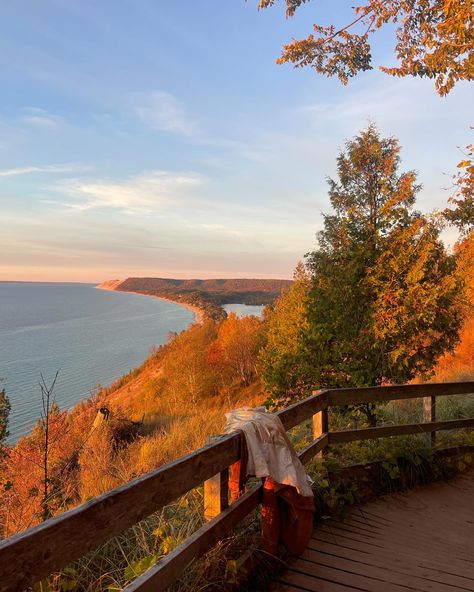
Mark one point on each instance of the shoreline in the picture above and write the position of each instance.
(197, 312)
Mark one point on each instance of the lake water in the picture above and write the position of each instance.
(243, 310)
(91, 336)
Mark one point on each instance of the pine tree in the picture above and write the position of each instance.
(384, 300)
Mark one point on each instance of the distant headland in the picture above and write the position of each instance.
(204, 297)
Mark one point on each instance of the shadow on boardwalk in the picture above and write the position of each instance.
(419, 540)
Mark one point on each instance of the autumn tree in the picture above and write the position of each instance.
(188, 376)
(384, 300)
(434, 39)
(461, 212)
(239, 341)
(459, 365)
(281, 359)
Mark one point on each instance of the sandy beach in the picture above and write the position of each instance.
(113, 285)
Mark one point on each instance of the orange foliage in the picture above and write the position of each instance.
(180, 394)
(459, 364)
(239, 341)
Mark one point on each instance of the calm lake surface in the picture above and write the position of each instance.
(91, 336)
(243, 310)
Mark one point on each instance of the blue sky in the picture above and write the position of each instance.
(160, 138)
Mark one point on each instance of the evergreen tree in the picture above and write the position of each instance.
(384, 300)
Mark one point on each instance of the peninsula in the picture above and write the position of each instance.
(204, 297)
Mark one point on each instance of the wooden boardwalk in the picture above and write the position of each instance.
(419, 540)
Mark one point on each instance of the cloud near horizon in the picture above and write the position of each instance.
(143, 193)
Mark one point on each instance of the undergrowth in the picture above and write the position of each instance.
(403, 461)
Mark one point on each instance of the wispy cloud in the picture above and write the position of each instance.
(161, 111)
(41, 118)
(145, 193)
(220, 229)
(50, 168)
(392, 103)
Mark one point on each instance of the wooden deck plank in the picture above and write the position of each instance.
(383, 573)
(428, 559)
(395, 563)
(421, 540)
(411, 536)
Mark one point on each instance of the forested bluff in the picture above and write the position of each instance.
(208, 296)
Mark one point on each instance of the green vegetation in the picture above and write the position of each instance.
(383, 302)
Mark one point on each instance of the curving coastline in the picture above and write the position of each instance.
(114, 286)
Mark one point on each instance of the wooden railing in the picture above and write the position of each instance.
(35, 553)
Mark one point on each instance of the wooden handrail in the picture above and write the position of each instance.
(380, 394)
(398, 430)
(57, 542)
(50, 546)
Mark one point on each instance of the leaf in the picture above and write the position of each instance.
(136, 568)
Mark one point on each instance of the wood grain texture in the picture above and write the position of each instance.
(320, 427)
(216, 494)
(398, 430)
(313, 449)
(39, 551)
(429, 415)
(161, 575)
(374, 394)
(302, 410)
(420, 540)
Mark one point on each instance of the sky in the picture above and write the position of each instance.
(153, 138)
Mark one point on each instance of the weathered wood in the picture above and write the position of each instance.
(429, 415)
(373, 394)
(422, 541)
(398, 430)
(314, 448)
(216, 494)
(320, 427)
(39, 551)
(161, 575)
(43, 549)
(302, 410)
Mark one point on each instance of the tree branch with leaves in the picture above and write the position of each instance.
(434, 39)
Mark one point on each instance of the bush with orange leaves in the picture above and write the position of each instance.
(459, 365)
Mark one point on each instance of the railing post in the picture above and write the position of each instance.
(320, 426)
(216, 494)
(429, 414)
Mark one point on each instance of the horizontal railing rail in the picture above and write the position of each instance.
(39, 551)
